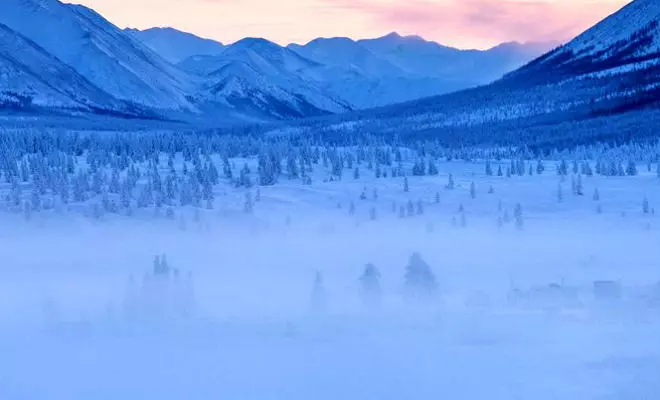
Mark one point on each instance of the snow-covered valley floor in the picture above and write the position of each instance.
(269, 304)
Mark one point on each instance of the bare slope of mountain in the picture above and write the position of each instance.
(104, 54)
(609, 73)
(174, 45)
(31, 78)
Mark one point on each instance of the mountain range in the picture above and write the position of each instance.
(604, 84)
(64, 58)
(61, 59)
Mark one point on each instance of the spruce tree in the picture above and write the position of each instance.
(370, 290)
(518, 215)
(450, 182)
(419, 279)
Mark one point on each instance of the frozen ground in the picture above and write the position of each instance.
(253, 334)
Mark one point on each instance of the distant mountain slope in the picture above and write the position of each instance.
(265, 66)
(338, 74)
(174, 45)
(609, 73)
(118, 70)
(627, 40)
(30, 77)
(348, 54)
(393, 69)
(417, 56)
(108, 57)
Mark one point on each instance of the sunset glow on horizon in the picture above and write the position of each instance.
(459, 23)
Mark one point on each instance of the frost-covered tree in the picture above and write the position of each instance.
(419, 279)
(540, 168)
(420, 207)
(419, 168)
(489, 168)
(248, 204)
(578, 186)
(410, 209)
(433, 169)
(370, 290)
(560, 193)
(518, 215)
(450, 182)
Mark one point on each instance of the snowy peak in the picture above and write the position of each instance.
(634, 30)
(108, 57)
(256, 44)
(348, 54)
(264, 52)
(174, 45)
(31, 78)
(395, 44)
(266, 68)
(629, 37)
(395, 38)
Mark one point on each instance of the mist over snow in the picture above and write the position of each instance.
(478, 285)
(183, 219)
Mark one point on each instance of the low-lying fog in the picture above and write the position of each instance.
(559, 309)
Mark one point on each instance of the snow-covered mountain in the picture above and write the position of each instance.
(394, 69)
(174, 45)
(71, 57)
(32, 78)
(598, 84)
(126, 70)
(109, 58)
(264, 67)
(338, 74)
(425, 58)
(627, 42)
(347, 54)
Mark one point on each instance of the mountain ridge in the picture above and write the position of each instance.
(599, 85)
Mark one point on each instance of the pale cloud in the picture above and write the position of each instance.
(462, 23)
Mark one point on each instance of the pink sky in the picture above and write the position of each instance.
(460, 23)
